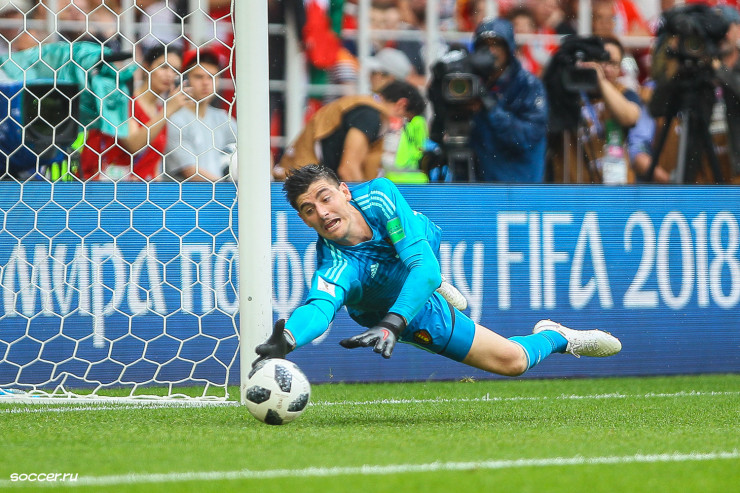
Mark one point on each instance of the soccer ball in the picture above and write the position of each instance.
(277, 391)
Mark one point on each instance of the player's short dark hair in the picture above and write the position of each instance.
(397, 89)
(300, 179)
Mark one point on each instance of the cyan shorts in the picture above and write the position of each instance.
(440, 328)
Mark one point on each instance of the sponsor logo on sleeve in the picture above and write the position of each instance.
(395, 230)
(327, 287)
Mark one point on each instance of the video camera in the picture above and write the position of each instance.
(688, 42)
(691, 34)
(565, 80)
(687, 46)
(458, 79)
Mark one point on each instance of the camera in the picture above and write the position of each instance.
(565, 81)
(461, 75)
(687, 46)
(38, 124)
(688, 42)
(458, 79)
(691, 34)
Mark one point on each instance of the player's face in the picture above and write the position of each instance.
(325, 207)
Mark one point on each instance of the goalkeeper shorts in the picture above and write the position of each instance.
(440, 328)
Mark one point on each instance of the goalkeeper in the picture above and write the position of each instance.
(378, 257)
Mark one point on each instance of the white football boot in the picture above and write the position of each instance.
(583, 342)
(452, 295)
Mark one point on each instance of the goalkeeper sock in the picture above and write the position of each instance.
(541, 345)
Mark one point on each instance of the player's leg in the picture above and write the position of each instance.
(496, 354)
(442, 329)
(493, 353)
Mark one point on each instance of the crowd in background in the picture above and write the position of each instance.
(179, 122)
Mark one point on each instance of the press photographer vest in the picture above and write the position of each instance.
(306, 148)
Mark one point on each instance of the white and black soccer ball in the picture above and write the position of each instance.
(277, 391)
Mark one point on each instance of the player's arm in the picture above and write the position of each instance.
(305, 324)
(309, 321)
(424, 277)
(407, 231)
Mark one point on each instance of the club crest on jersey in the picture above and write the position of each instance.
(373, 270)
(326, 286)
(422, 337)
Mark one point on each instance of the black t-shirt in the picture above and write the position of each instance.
(364, 118)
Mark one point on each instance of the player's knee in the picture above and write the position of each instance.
(513, 361)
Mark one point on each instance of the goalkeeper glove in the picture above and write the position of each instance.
(383, 336)
(279, 344)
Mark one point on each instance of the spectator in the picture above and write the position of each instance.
(346, 135)
(200, 138)
(404, 143)
(384, 16)
(729, 76)
(470, 13)
(387, 65)
(522, 20)
(160, 23)
(569, 21)
(103, 17)
(344, 72)
(157, 99)
(14, 38)
(71, 16)
(138, 155)
(508, 133)
(413, 14)
(629, 19)
(546, 15)
(617, 18)
(603, 18)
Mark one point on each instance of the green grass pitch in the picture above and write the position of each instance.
(672, 434)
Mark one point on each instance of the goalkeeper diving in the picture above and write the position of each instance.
(379, 258)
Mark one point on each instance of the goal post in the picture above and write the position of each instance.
(128, 288)
(255, 237)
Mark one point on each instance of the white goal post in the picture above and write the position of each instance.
(123, 288)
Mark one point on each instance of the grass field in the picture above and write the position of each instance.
(677, 434)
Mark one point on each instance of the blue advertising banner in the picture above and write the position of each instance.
(137, 283)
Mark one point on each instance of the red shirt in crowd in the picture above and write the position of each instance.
(101, 153)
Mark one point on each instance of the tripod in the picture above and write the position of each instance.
(460, 158)
(690, 98)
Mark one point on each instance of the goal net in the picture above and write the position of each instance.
(117, 279)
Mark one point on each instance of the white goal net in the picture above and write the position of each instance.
(118, 247)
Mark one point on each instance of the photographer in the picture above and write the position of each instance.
(729, 76)
(687, 71)
(588, 101)
(510, 118)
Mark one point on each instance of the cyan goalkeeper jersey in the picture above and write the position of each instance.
(370, 278)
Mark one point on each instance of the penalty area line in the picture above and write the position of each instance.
(379, 470)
